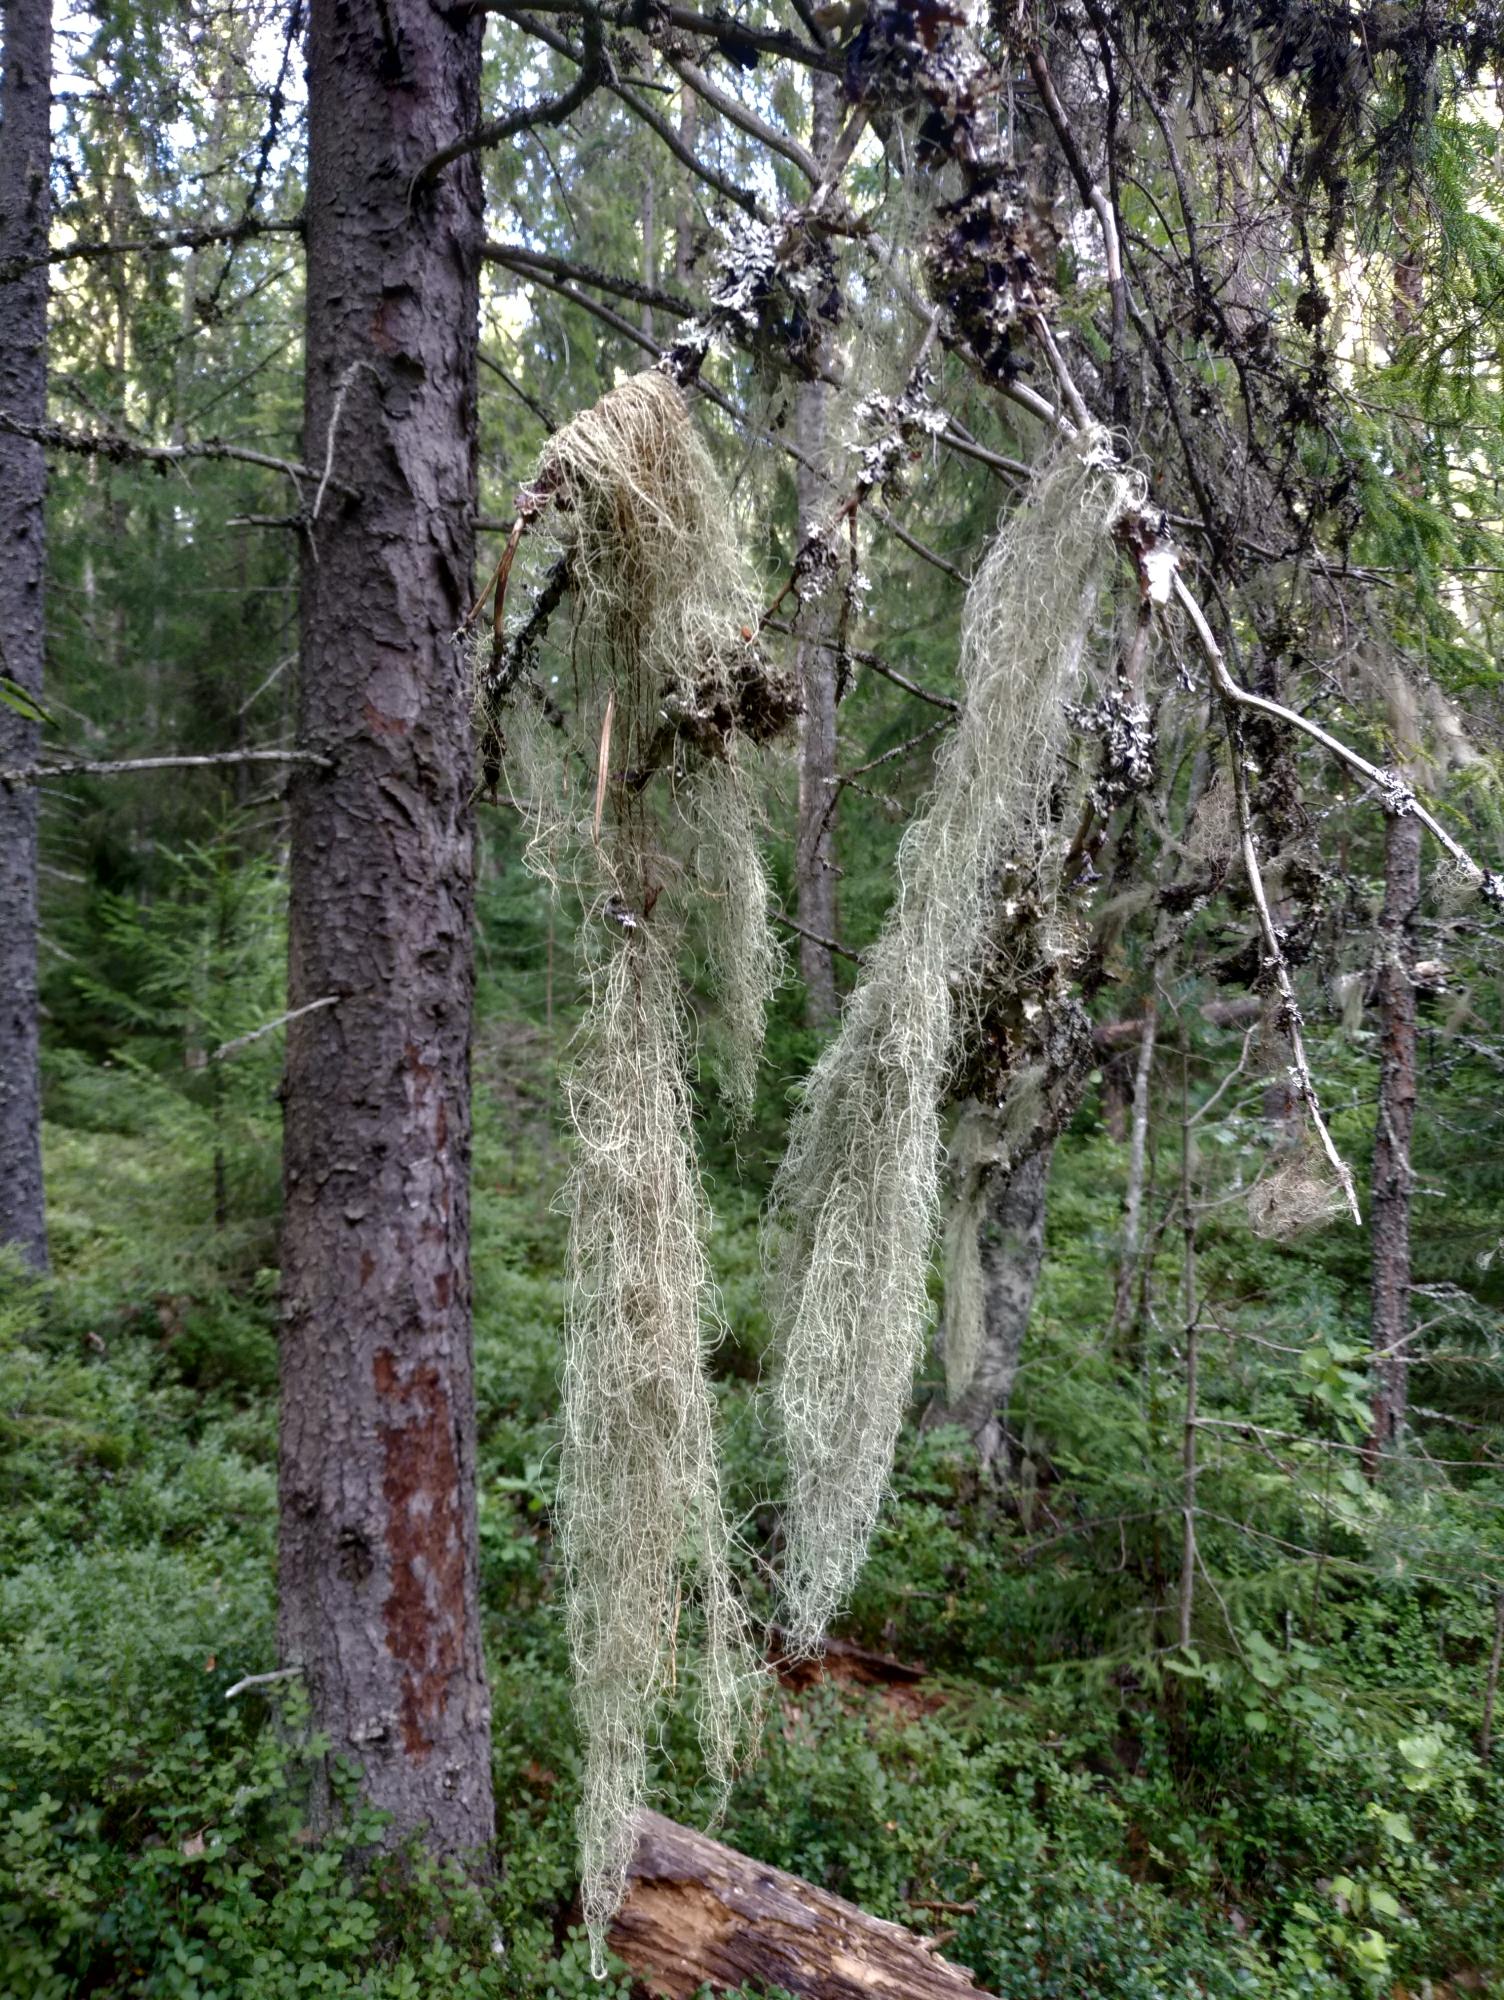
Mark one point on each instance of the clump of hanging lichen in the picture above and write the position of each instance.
(646, 780)
(854, 1204)
(640, 1524)
(1298, 1194)
(636, 784)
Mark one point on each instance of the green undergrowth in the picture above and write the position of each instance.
(1075, 1804)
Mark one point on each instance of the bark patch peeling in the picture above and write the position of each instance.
(425, 1605)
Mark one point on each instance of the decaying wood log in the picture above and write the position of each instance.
(698, 1912)
(840, 1660)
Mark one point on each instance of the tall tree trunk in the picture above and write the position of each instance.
(1395, 1122)
(814, 858)
(1138, 1155)
(649, 247)
(25, 208)
(1394, 1118)
(684, 214)
(379, 1600)
(1010, 1247)
(1192, 1325)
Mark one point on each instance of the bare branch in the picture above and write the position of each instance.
(240, 1042)
(830, 944)
(1278, 966)
(920, 549)
(738, 114)
(563, 289)
(549, 111)
(189, 238)
(123, 450)
(518, 257)
(88, 767)
(261, 1680)
(683, 154)
(341, 392)
(531, 25)
(1395, 795)
(737, 39)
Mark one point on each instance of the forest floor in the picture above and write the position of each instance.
(1075, 1805)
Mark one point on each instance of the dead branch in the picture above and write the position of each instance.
(188, 238)
(518, 257)
(548, 111)
(121, 450)
(746, 120)
(36, 774)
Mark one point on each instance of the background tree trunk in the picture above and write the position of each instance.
(814, 861)
(1395, 1122)
(1394, 1118)
(378, 1546)
(1011, 1250)
(1138, 1155)
(25, 207)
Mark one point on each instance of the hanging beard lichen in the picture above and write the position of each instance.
(639, 1509)
(854, 1203)
(673, 699)
(640, 798)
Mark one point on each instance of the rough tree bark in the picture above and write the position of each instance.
(25, 208)
(1011, 1246)
(1389, 1222)
(377, 1478)
(814, 856)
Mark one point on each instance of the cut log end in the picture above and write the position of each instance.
(698, 1913)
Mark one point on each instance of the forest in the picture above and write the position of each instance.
(751, 999)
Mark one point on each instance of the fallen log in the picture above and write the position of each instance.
(698, 1913)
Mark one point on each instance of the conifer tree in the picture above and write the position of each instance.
(378, 1557)
(25, 205)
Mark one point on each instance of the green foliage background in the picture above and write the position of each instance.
(1295, 1805)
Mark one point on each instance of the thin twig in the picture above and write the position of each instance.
(118, 449)
(35, 774)
(878, 666)
(239, 1042)
(261, 1680)
(340, 393)
(830, 944)
(898, 750)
